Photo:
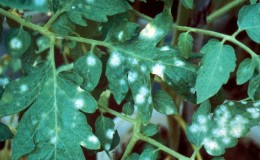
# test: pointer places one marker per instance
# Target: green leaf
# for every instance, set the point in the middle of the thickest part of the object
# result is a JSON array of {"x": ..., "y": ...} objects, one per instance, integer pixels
[
  {"x": 5, "y": 132},
  {"x": 253, "y": 1},
  {"x": 164, "y": 103},
  {"x": 133, "y": 156},
  {"x": 220, "y": 130},
  {"x": 17, "y": 41},
  {"x": 97, "y": 10},
  {"x": 185, "y": 44},
  {"x": 128, "y": 108},
  {"x": 245, "y": 71},
  {"x": 149, "y": 129},
  {"x": 248, "y": 20},
  {"x": 53, "y": 121},
  {"x": 63, "y": 26},
  {"x": 104, "y": 129},
  {"x": 219, "y": 60},
  {"x": 197, "y": 131},
  {"x": 187, "y": 3},
  {"x": 254, "y": 87},
  {"x": 149, "y": 153},
  {"x": 33, "y": 5},
  {"x": 90, "y": 68}
]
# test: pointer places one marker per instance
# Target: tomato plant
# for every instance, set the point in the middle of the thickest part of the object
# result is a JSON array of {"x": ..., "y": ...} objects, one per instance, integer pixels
[{"x": 72, "y": 67}]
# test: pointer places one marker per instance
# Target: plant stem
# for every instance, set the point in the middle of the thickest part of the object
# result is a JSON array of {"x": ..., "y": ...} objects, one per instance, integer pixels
[
  {"x": 162, "y": 147},
  {"x": 134, "y": 138},
  {"x": 66, "y": 67},
  {"x": 224, "y": 9},
  {"x": 53, "y": 19}
]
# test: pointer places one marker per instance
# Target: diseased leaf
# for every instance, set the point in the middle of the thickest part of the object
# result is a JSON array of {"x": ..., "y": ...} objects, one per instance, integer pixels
[
  {"x": 133, "y": 156},
  {"x": 248, "y": 20},
  {"x": 230, "y": 121},
  {"x": 54, "y": 102},
  {"x": 185, "y": 44},
  {"x": 105, "y": 131},
  {"x": 245, "y": 71},
  {"x": 164, "y": 103},
  {"x": 219, "y": 60},
  {"x": 17, "y": 41},
  {"x": 5, "y": 132},
  {"x": 149, "y": 130},
  {"x": 187, "y": 3},
  {"x": 90, "y": 68}
]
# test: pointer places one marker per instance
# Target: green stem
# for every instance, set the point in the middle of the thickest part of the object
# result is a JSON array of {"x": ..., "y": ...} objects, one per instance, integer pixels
[
  {"x": 162, "y": 147},
  {"x": 53, "y": 19},
  {"x": 134, "y": 138},
  {"x": 224, "y": 9},
  {"x": 196, "y": 152},
  {"x": 66, "y": 67}
]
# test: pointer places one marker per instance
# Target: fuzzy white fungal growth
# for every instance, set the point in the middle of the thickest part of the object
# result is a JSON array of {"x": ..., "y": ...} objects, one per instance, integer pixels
[
  {"x": 256, "y": 104},
  {"x": 24, "y": 88},
  {"x": 165, "y": 48},
  {"x": 115, "y": 59},
  {"x": 79, "y": 103},
  {"x": 179, "y": 63},
  {"x": 16, "y": 43},
  {"x": 120, "y": 35},
  {"x": 122, "y": 82},
  {"x": 107, "y": 146},
  {"x": 132, "y": 76},
  {"x": 110, "y": 133},
  {"x": 91, "y": 60},
  {"x": 194, "y": 128},
  {"x": 231, "y": 103},
  {"x": 202, "y": 119},
  {"x": 148, "y": 32},
  {"x": 79, "y": 89},
  {"x": 90, "y": 1},
  {"x": 73, "y": 7},
  {"x": 158, "y": 69},
  {"x": 141, "y": 96},
  {"x": 54, "y": 140},
  {"x": 143, "y": 68},
  {"x": 211, "y": 144},
  {"x": 169, "y": 110},
  {"x": 39, "y": 2},
  {"x": 236, "y": 131},
  {"x": 243, "y": 102},
  {"x": 93, "y": 139}
]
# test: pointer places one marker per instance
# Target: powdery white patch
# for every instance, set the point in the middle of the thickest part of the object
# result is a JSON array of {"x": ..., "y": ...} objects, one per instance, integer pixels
[
  {"x": 143, "y": 90},
  {"x": 39, "y": 2},
  {"x": 226, "y": 140},
  {"x": 220, "y": 132},
  {"x": 54, "y": 140},
  {"x": 143, "y": 68},
  {"x": 79, "y": 89},
  {"x": 51, "y": 132},
  {"x": 43, "y": 115},
  {"x": 73, "y": 7},
  {"x": 122, "y": 82},
  {"x": 203, "y": 128},
  {"x": 89, "y": 1},
  {"x": 169, "y": 110},
  {"x": 120, "y": 35},
  {"x": 165, "y": 48},
  {"x": 132, "y": 76},
  {"x": 256, "y": 104},
  {"x": 139, "y": 98},
  {"x": 211, "y": 144},
  {"x": 179, "y": 63},
  {"x": 23, "y": 88},
  {"x": 243, "y": 102},
  {"x": 255, "y": 112},
  {"x": 192, "y": 90},
  {"x": 34, "y": 122},
  {"x": 93, "y": 139},
  {"x": 115, "y": 59},
  {"x": 158, "y": 69},
  {"x": 79, "y": 103},
  {"x": 202, "y": 119},
  {"x": 91, "y": 60},
  {"x": 4, "y": 81},
  {"x": 80, "y": 5},
  {"x": 110, "y": 133},
  {"x": 236, "y": 131},
  {"x": 149, "y": 100},
  {"x": 16, "y": 43},
  {"x": 107, "y": 147},
  {"x": 148, "y": 32},
  {"x": 194, "y": 128},
  {"x": 231, "y": 103},
  {"x": 73, "y": 125}
]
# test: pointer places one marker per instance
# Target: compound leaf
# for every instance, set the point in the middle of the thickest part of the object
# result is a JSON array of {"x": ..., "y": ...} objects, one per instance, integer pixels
[
  {"x": 216, "y": 65},
  {"x": 187, "y": 3},
  {"x": 53, "y": 113},
  {"x": 248, "y": 20}
]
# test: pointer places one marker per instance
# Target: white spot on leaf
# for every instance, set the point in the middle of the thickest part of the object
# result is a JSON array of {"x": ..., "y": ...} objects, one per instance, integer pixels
[
  {"x": 24, "y": 88},
  {"x": 93, "y": 139},
  {"x": 91, "y": 60},
  {"x": 110, "y": 133},
  {"x": 107, "y": 146},
  {"x": 115, "y": 59},
  {"x": 148, "y": 32},
  {"x": 16, "y": 43},
  {"x": 158, "y": 70},
  {"x": 120, "y": 35},
  {"x": 79, "y": 103},
  {"x": 132, "y": 76},
  {"x": 54, "y": 140},
  {"x": 39, "y": 2}
]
